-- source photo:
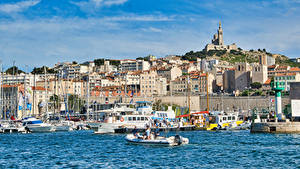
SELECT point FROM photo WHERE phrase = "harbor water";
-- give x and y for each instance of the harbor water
(83, 149)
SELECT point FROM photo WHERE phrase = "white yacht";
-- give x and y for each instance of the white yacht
(122, 115)
(32, 124)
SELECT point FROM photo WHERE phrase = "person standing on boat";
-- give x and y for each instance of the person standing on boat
(156, 132)
(148, 133)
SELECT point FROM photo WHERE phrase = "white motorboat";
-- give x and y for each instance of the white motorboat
(62, 126)
(8, 127)
(31, 124)
(167, 141)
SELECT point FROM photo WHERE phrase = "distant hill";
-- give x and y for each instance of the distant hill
(239, 55)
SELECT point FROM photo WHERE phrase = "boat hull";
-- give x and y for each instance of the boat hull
(61, 128)
(40, 129)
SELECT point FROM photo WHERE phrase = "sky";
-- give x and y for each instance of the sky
(34, 33)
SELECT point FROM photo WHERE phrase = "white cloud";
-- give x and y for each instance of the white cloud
(147, 18)
(152, 29)
(114, 2)
(91, 6)
(18, 7)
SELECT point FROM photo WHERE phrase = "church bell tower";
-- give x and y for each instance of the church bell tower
(220, 35)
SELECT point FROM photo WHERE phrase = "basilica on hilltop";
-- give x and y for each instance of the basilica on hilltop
(218, 43)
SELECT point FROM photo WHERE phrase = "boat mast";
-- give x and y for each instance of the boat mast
(199, 91)
(24, 100)
(46, 90)
(207, 97)
(88, 97)
(33, 94)
(12, 89)
(1, 90)
(189, 97)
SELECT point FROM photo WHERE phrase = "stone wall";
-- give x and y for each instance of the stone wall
(216, 102)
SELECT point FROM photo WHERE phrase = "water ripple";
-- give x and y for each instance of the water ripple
(83, 149)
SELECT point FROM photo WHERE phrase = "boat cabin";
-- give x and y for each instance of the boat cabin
(144, 107)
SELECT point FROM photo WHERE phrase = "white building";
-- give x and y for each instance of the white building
(133, 65)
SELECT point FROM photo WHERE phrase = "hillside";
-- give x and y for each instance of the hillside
(240, 55)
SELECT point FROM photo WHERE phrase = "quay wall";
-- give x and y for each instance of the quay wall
(216, 102)
(275, 127)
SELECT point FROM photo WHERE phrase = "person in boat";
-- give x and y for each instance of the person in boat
(135, 131)
(156, 132)
(148, 133)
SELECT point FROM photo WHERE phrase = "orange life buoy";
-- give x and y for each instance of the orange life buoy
(122, 119)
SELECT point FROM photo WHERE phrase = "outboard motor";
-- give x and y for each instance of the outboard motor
(178, 139)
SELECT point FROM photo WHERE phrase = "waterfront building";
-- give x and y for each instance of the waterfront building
(40, 99)
(170, 73)
(295, 98)
(11, 95)
(229, 80)
(151, 84)
(106, 67)
(195, 83)
(68, 70)
(134, 65)
(63, 87)
(265, 59)
(284, 79)
(259, 73)
(27, 79)
(217, 42)
(296, 60)
(242, 76)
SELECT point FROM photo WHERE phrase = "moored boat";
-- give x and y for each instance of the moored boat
(31, 124)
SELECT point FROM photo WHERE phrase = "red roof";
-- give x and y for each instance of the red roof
(38, 88)
(295, 69)
(267, 82)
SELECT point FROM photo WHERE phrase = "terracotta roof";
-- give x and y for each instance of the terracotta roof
(295, 69)
(15, 85)
(272, 66)
(267, 82)
(38, 88)
(285, 74)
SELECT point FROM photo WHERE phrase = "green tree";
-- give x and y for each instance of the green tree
(256, 85)
(115, 62)
(245, 93)
(99, 62)
(14, 70)
(258, 93)
(41, 70)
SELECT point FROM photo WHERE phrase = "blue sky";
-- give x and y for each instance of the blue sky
(44, 32)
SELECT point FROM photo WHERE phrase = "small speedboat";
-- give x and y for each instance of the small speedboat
(31, 124)
(168, 141)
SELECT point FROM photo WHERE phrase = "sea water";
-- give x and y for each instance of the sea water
(83, 149)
